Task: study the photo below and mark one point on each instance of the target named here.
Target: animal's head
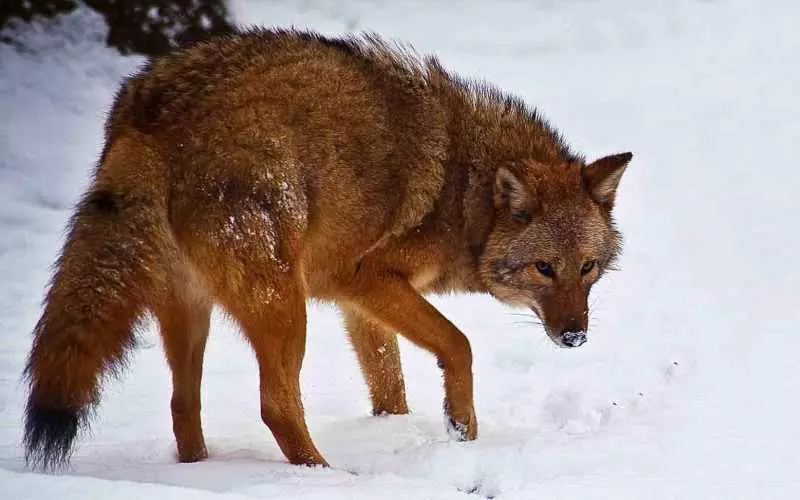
(553, 238)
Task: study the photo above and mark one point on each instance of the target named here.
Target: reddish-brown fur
(263, 169)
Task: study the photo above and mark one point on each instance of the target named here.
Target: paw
(192, 454)
(461, 429)
(390, 409)
(308, 459)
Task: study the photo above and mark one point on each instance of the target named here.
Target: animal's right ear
(511, 193)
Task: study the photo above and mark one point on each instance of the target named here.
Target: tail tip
(49, 435)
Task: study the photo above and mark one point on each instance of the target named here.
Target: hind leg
(277, 332)
(379, 357)
(184, 324)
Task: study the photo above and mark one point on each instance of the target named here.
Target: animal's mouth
(569, 339)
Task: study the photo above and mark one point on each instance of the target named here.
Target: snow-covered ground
(688, 386)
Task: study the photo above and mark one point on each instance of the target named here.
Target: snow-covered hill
(687, 388)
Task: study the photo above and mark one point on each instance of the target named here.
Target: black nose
(573, 339)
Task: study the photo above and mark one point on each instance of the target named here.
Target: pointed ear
(510, 192)
(602, 177)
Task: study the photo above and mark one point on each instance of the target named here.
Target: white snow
(688, 385)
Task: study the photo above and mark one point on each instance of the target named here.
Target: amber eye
(544, 268)
(587, 267)
(521, 216)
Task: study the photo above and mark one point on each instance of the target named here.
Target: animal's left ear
(602, 177)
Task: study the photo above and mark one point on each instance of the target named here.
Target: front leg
(391, 301)
(379, 357)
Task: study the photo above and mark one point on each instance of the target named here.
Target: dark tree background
(147, 27)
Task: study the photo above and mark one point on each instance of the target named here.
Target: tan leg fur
(379, 357)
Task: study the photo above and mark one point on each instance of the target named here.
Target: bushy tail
(110, 271)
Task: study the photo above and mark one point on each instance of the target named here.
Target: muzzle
(573, 339)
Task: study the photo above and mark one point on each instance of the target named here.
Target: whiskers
(531, 320)
(593, 307)
(525, 319)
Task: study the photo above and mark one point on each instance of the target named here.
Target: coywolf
(262, 169)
